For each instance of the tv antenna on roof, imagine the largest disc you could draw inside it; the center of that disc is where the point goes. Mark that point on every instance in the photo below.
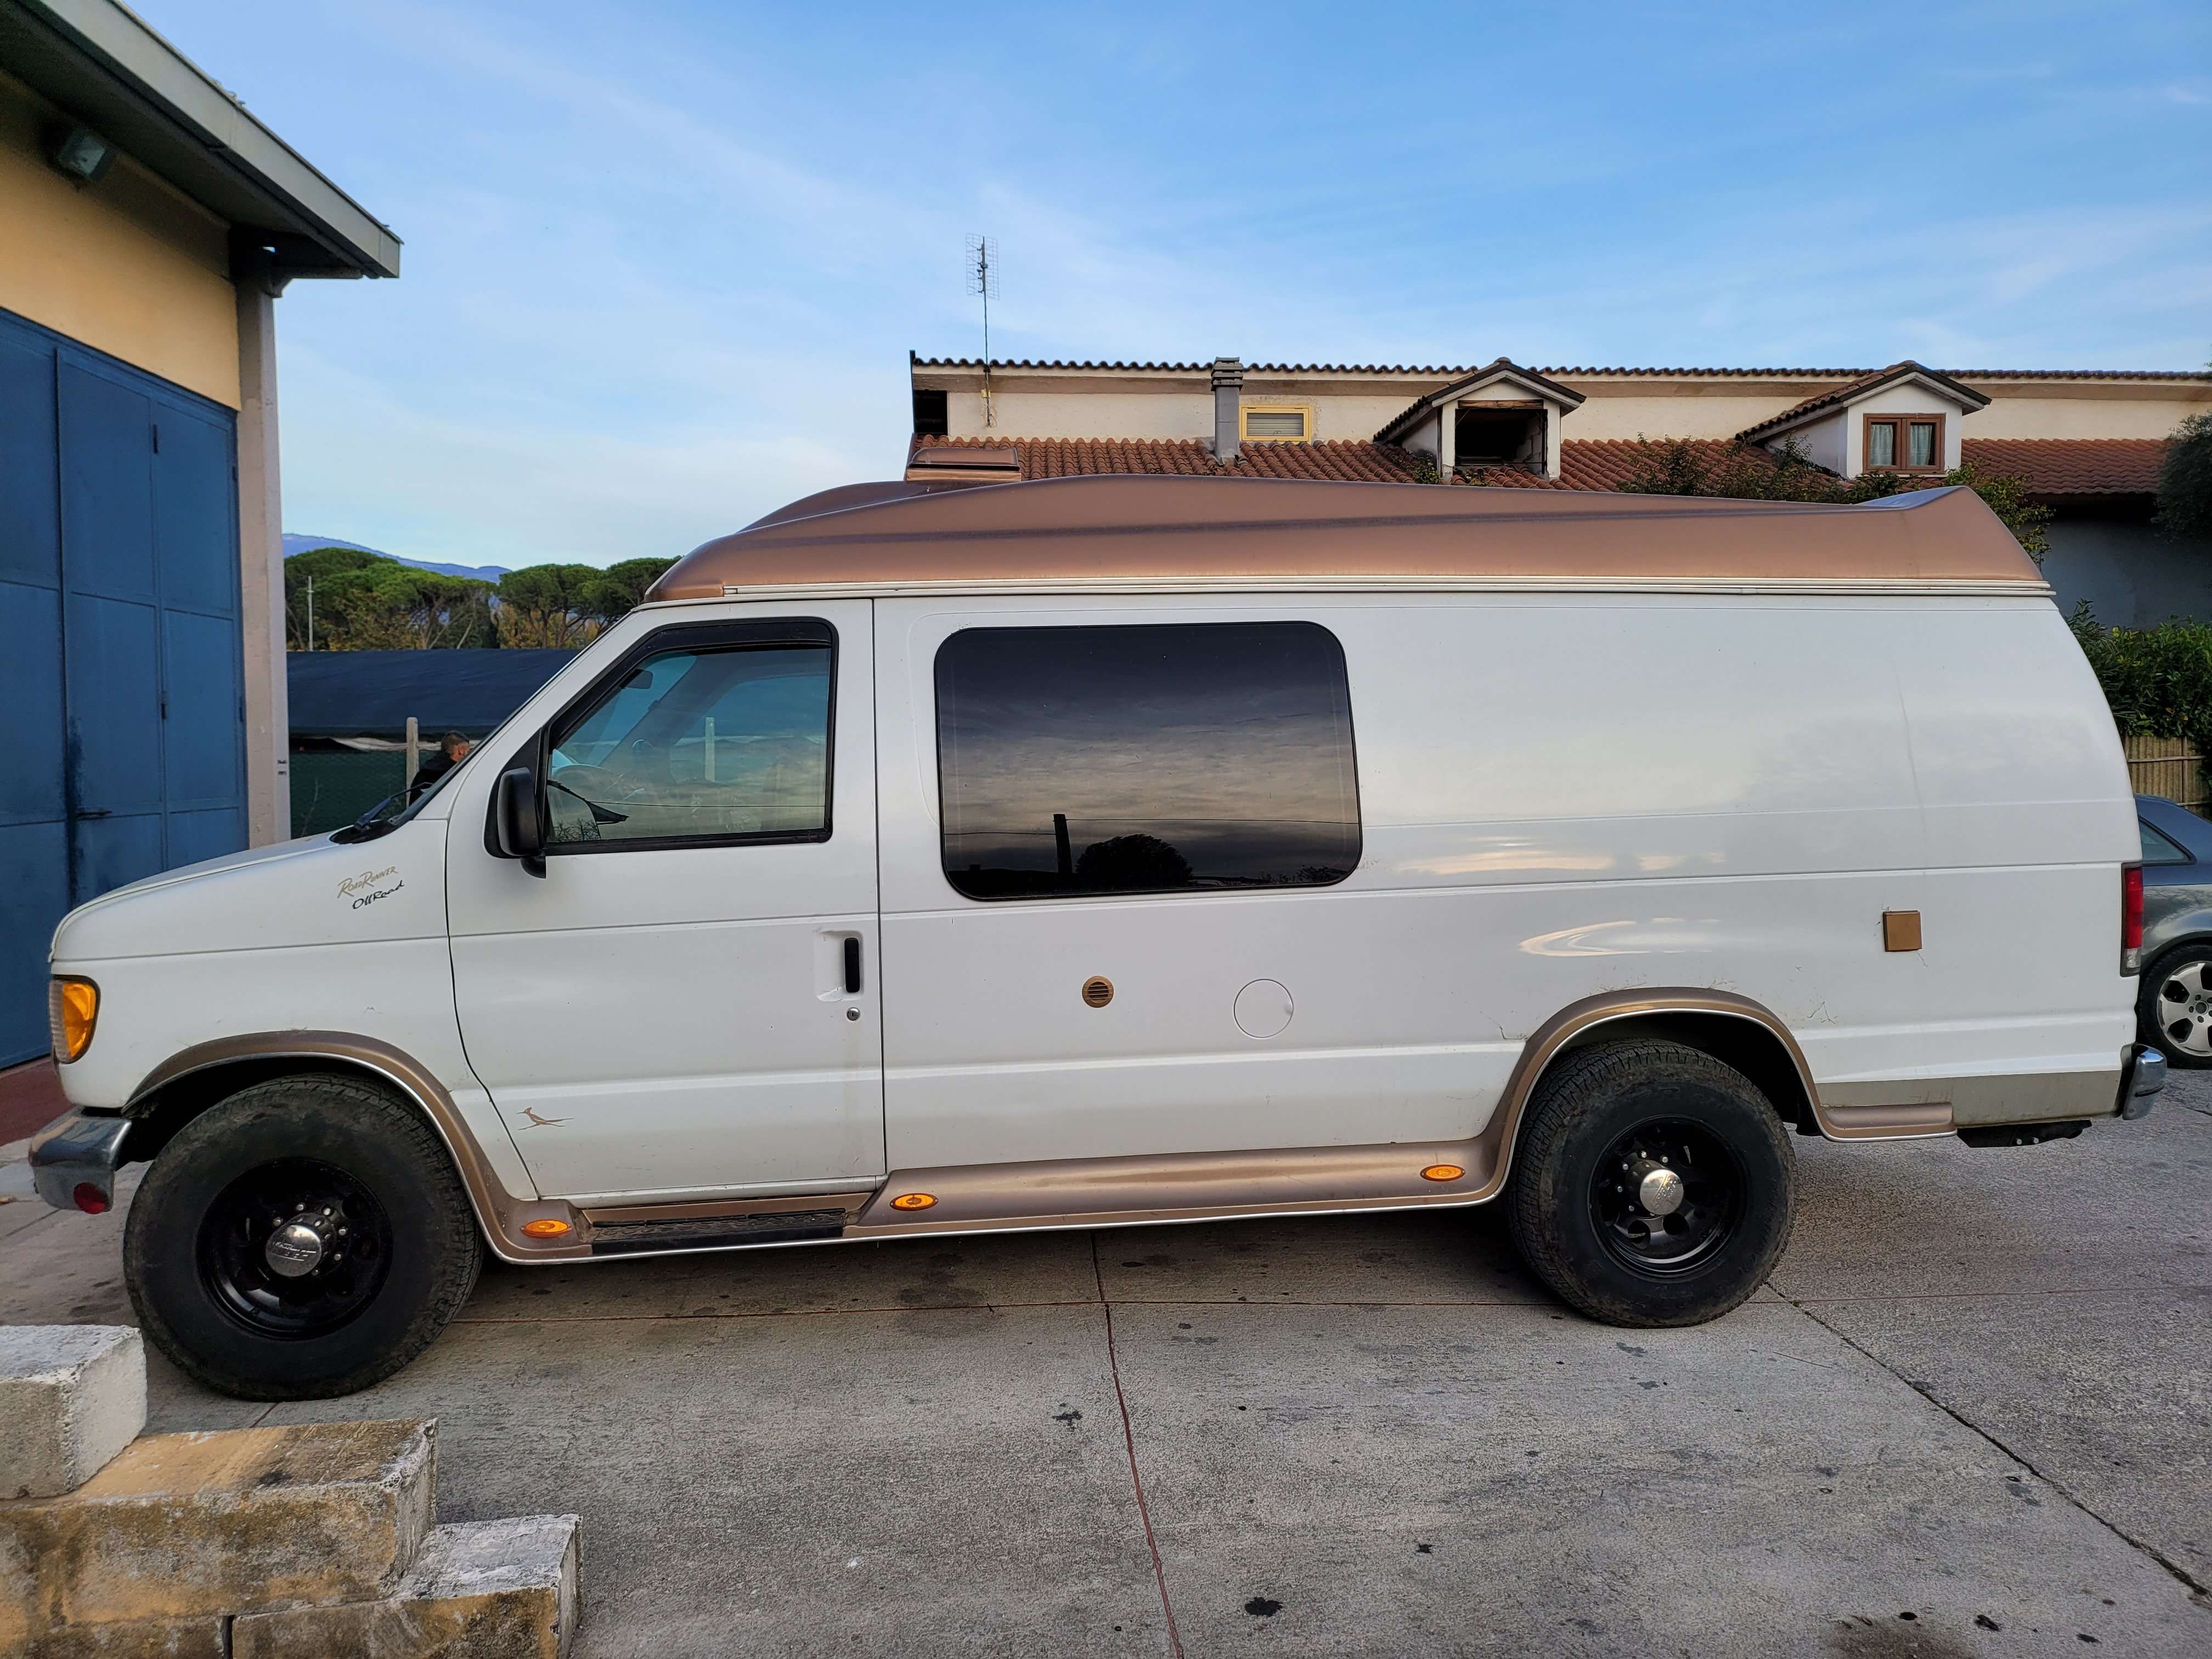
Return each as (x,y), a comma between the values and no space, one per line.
(983,280)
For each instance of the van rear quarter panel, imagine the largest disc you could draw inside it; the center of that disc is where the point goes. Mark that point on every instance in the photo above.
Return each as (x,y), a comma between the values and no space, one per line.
(1560,796)
(1730,792)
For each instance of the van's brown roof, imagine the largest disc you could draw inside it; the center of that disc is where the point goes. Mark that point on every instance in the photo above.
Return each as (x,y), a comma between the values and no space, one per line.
(1132,531)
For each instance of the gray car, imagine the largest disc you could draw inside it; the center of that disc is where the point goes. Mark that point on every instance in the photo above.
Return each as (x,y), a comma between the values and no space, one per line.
(2174,1007)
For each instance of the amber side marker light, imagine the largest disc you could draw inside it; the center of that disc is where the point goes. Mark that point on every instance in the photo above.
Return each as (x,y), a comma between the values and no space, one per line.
(1443,1172)
(547,1228)
(72,1010)
(914,1200)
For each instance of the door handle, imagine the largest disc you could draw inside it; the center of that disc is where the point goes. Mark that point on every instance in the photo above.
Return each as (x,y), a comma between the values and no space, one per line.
(853,966)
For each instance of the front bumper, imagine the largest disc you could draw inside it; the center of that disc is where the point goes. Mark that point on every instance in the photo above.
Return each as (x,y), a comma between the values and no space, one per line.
(2141,1078)
(79,1151)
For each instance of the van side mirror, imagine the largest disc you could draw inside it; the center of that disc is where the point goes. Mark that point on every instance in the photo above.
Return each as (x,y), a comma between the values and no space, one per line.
(518,816)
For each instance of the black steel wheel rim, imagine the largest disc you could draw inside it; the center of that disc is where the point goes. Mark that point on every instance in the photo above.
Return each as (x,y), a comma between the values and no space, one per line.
(1713,1191)
(353,1233)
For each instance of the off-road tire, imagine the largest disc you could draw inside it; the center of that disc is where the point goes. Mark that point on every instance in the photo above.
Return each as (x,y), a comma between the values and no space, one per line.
(374,1139)
(2149,1027)
(1584,1105)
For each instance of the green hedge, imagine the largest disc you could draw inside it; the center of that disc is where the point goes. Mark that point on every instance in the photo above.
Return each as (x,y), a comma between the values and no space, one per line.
(2158,680)
(330,789)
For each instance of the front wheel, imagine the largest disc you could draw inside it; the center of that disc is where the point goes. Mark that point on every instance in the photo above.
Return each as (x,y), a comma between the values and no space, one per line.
(305,1238)
(1652,1185)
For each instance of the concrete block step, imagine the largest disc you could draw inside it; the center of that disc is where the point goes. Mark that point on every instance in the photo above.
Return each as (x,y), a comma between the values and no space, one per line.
(158,1638)
(480,1589)
(72,1397)
(183,1525)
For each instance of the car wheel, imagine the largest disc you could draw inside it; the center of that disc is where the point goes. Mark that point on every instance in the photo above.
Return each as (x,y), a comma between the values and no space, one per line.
(1652,1185)
(305,1238)
(2173,1006)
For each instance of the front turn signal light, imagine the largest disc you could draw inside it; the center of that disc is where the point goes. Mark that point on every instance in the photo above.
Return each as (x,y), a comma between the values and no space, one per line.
(72,1010)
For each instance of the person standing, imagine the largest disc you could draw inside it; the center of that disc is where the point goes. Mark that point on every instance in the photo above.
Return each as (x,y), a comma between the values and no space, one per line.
(453,748)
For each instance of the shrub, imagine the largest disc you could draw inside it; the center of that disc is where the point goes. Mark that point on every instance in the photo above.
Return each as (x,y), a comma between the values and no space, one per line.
(1745,472)
(2158,680)
(2185,480)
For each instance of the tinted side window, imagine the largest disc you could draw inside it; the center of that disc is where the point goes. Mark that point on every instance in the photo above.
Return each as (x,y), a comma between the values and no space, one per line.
(697,743)
(2157,849)
(1144,759)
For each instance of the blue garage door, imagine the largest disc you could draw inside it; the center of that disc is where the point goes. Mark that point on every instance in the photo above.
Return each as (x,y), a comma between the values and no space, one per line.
(120,654)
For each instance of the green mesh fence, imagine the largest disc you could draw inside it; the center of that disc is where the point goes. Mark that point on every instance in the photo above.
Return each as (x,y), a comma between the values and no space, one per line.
(329,790)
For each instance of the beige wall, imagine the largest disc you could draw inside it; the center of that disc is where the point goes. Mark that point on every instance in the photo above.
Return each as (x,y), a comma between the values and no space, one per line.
(2087,409)
(1632,409)
(125,266)
(1024,413)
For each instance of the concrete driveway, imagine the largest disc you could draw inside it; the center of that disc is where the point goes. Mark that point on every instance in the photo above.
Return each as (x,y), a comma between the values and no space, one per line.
(1970,1414)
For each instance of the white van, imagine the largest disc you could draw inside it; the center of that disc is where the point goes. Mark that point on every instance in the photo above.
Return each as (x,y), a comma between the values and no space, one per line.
(1113,851)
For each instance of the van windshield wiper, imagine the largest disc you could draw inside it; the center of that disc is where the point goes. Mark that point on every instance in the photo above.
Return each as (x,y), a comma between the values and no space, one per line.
(373,822)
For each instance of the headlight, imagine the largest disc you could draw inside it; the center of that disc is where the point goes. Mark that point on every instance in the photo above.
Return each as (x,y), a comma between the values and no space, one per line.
(72,1010)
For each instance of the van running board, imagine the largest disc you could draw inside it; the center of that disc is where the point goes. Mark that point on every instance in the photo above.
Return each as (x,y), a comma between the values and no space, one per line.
(635,1229)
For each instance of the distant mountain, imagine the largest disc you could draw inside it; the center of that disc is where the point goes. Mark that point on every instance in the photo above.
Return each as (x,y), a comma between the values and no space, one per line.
(483,573)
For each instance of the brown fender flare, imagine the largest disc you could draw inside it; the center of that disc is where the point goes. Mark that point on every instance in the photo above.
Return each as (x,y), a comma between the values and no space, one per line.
(1576,1018)
(499,1212)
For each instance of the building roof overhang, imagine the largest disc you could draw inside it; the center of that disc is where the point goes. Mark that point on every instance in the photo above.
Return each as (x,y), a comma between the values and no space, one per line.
(1123,533)
(100,63)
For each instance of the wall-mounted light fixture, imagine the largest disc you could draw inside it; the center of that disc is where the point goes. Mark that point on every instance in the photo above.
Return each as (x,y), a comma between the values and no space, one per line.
(81,153)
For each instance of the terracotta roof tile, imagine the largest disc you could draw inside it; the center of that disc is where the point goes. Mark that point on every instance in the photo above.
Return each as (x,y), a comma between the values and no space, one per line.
(1192,368)
(1602,464)
(2071,466)
(1070,458)
(2049,466)
(1469,369)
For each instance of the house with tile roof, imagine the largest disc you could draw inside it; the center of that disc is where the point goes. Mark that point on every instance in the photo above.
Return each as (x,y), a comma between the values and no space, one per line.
(2087,443)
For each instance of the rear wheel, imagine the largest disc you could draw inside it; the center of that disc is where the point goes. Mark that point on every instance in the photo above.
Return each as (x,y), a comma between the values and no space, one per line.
(305,1237)
(1653,1185)
(2173,1008)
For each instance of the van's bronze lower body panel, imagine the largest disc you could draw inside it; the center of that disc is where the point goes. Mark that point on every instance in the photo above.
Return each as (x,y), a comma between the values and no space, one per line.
(1885,1120)
(1179,1187)
(1938,1105)
(636,1229)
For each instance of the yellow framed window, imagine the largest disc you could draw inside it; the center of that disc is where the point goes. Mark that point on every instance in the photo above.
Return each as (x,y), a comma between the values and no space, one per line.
(1275,423)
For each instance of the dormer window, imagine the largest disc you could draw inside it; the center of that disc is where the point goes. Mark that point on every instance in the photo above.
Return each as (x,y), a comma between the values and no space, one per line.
(1281,423)
(1904,443)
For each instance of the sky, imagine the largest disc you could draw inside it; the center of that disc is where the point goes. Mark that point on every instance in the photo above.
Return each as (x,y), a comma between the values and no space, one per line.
(664,262)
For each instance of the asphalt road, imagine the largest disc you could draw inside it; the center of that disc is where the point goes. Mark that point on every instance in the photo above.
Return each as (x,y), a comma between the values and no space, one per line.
(1972,1413)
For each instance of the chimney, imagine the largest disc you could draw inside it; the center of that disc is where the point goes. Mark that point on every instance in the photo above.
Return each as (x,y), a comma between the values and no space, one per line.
(1228,382)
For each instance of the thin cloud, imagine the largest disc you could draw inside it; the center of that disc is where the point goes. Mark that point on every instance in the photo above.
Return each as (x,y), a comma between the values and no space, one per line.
(664,266)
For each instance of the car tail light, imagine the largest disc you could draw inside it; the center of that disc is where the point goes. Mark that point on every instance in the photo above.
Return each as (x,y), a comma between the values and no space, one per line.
(2131,918)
